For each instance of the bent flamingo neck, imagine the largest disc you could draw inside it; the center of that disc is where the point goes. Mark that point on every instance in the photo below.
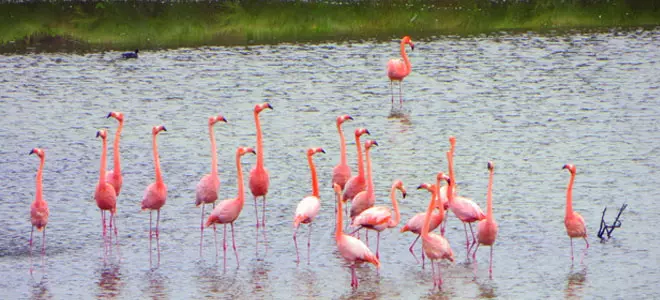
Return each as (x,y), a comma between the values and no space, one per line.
(116,159)
(260,143)
(404,55)
(360,159)
(395,204)
(315,182)
(569,196)
(489,197)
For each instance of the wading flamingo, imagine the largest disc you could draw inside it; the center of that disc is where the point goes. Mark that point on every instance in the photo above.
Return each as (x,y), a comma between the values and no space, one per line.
(309,206)
(435,246)
(39,208)
(465,210)
(487,229)
(259,179)
(207,188)
(105,194)
(356,184)
(156,193)
(575,226)
(416,223)
(351,249)
(379,218)
(341,172)
(399,68)
(113,176)
(227,211)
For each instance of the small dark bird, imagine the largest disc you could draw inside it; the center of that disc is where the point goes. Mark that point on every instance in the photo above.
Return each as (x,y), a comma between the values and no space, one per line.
(130,54)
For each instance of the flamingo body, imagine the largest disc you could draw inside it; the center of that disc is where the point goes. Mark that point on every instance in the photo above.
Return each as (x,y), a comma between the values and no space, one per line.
(39,214)
(307,209)
(357,183)
(341,174)
(154,196)
(225,212)
(106,197)
(466,210)
(416,223)
(397,69)
(436,247)
(259,181)
(206,191)
(575,226)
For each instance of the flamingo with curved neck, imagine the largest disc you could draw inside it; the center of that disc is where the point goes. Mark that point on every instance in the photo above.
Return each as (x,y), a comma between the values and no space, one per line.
(105,194)
(114,176)
(207,188)
(308,207)
(487,229)
(435,246)
(156,193)
(39,208)
(351,249)
(573,221)
(227,211)
(259,178)
(399,68)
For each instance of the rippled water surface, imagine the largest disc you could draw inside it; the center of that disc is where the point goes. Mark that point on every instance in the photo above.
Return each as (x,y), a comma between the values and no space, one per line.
(530,103)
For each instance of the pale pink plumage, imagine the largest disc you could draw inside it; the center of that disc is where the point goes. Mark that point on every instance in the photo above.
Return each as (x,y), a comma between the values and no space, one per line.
(435,246)
(367,198)
(357,183)
(309,206)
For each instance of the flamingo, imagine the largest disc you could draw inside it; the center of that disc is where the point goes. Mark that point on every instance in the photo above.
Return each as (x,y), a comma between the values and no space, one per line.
(259,179)
(356,184)
(309,206)
(442,193)
(464,209)
(575,226)
(379,218)
(351,249)
(487,230)
(399,68)
(39,208)
(367,198)
(207,188)
(435,246)
(156,193)
(114,177)
(341,172)
(105,194)
(227,211)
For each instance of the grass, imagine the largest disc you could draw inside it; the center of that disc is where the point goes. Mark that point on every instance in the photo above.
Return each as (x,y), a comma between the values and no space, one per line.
(103,25)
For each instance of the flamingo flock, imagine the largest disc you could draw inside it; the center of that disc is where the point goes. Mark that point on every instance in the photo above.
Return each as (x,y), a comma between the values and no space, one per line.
(357,190)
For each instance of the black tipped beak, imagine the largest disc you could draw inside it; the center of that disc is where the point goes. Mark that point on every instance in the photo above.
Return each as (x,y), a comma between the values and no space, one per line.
(421,186)
(109,115)
(367,132)
(412,46)
(404,194)
(350,118)
(375,143)
(98,133)
(270,106)
(31,152)
(164,129)
(322,150)
(564,167)
(223,119)
(254,152)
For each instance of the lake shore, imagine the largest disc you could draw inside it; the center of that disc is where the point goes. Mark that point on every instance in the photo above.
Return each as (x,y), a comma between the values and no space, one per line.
(101,26)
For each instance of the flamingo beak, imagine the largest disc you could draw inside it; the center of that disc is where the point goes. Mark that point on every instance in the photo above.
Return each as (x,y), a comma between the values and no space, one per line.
(164,129)
(223,119)
(412,46)
(31,152)
(109,115)
(269,106)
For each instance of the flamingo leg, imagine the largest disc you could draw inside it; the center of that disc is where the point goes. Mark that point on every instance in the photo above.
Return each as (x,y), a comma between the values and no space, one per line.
(392,92)
(295,243)
(433,272)
(474,253)
(201,236)
(474,238)
(413,245)
(215,238)
(114,220)
(43,242)
(490,268)
(256,211)
(233,242)
(400,94)
(224,247)
(309,238)
(423,257)
(31,233)
(150,237)
(158,235)
(439,277)
(377,244)
(467,241)
(103,221)
(263,213)
(354,280)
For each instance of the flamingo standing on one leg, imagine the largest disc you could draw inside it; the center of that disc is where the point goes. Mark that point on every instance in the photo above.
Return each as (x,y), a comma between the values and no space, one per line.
(367,198)
(379,218)
(435,246)
(351,249)
(39,208)
(114,176)
(207,188)
(156,193)
(356,184)
(227,211)
(575,226)
(309,206)
(105,194)
(341,172)
(399,68)
(465,210)
(259,179)
(487,229)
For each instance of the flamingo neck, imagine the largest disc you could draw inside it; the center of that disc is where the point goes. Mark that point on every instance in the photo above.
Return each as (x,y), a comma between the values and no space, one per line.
(342,145)
(214,155)
(450,162)
(340,222)
(360,160)
(569,196)
(40,172)
(489,197)
(315,182)
(395,204)
(260,142)
(159,177)
(104,153)
(427,217)
(404,55)
(370,180)
(239,175)
(116,159)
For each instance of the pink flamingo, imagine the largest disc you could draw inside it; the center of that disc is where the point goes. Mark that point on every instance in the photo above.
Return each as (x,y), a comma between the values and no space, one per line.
(487,230)
(435,246)
(442,193)
(379,218)
(367,198)
(259,179)
(342,172)
(399,68)
(351,249)
(207,188)
(465,210)
(309,206)
(356,184)
(227,211)
(114,177)
(575,226)
(156,193)
(105,194)
(39,208)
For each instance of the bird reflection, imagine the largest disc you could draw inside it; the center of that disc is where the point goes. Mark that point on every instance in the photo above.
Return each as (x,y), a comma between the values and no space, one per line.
(110,282)
(575,284)
(487,290)
(156,286)
(309,282)
(259,278)
(40,290)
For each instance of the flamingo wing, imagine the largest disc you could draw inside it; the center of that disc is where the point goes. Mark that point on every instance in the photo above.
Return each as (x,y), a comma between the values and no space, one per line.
(225,212)
(436,247)
(466,210)
(373,216)
(354,186)
(396,68)
(354,250)
(341,174)
(207,190)
(307,210)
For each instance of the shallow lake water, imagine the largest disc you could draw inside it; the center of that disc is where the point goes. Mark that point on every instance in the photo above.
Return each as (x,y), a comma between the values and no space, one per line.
(530,103)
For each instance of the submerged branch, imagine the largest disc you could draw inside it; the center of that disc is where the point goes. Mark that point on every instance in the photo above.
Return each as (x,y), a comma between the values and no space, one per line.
(605,228)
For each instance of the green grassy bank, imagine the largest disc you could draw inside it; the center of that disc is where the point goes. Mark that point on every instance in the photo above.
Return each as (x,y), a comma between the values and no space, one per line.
(104,25)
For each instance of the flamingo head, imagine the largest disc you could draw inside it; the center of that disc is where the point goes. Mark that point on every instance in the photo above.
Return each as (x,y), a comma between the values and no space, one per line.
(491,166)
(312,151)
(245,150)
(259,107)
(368,144)
(406,40)
(360,131)
(216,119)
(102,133)
(342,119)
(427,186)
(440,177)
(117,115)
(452,141)
(39,152)
(156,129)
(398,184)
(570,167)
